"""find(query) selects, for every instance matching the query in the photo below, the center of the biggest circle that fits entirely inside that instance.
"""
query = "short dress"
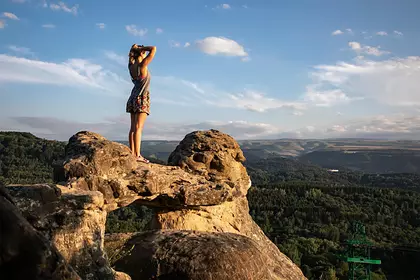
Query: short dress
(139, 100)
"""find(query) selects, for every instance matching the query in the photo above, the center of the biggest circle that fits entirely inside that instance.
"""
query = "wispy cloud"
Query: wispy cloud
(362, 49)
(114, 128)
(393, 82)
(2, 24)
(73, 72)
(61, 6)
(21, 50)
(159, 30)
(251, 101)
(398, 33)
(174, 44)
(121, 60)
(245, 6)
(337, 32)
(187, 44)
(101, 25)
(49, 25)
(393, 127)
(134, 30)
(382, 33)
(10, 16)
(220, 46)
(223, 6)
(326, 98)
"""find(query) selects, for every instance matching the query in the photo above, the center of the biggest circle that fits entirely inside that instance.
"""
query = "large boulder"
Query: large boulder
(24, 252)
(74, 223)
(193, 255)
(212, 154)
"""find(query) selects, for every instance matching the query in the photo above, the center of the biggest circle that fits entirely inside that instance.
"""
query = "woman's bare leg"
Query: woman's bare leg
(131, 133)
(139, 123)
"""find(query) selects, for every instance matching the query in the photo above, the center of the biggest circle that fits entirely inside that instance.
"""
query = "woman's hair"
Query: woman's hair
(134, 53)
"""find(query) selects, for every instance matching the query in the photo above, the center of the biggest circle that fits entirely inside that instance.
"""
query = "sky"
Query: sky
(255, 69)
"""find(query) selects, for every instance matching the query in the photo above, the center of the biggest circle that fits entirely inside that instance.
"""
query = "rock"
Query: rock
(232, 217)
(73, 221)
(25, 253)
(201, 215)
(94, 163)
(193, 255)
(212, 154)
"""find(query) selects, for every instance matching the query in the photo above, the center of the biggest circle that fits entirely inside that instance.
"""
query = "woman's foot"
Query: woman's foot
(142, 159)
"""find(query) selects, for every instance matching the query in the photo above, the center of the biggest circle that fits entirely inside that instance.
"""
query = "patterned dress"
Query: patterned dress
(139, 100)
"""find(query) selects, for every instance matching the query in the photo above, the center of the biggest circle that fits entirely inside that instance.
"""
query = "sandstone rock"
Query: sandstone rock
(24, 253)
(203, 189)
(97, 164)
(193, 255)
(212, 154)
(232, 217)
(73, 221)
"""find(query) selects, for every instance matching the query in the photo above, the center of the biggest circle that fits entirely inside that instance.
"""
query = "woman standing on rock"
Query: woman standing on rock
(138, 104)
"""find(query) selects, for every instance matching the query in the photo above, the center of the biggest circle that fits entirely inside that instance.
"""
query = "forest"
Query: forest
(304, 209)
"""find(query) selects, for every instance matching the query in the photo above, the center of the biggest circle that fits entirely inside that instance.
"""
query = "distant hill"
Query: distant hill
(369, 156)
(27, 159)
(368, 161)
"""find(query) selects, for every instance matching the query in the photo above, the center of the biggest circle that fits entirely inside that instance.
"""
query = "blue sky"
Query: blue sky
(253, 69)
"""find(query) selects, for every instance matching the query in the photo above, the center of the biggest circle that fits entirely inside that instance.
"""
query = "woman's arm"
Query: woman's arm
(150, 55)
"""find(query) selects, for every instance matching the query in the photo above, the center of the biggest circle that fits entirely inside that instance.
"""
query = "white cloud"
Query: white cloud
(398, 33)
(48, 25)
(82, 73)
(101, 25)
(21, 50)
(326, 98)
(187, 44)
(2, 24)
(252, 101)
(72, 72)
(398, 126)
(382, 33)
(10, 16)
(159, 30)
(362, 49)
(61, 6)
(116, 58)
(115, 128)
(246, 59)
(220, 46)
(223, 6)
(337, 32)
(174, 44)
(393, 82)
(349, 30)
(133, 30)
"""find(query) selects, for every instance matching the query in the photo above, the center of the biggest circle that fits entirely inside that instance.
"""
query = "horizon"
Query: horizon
(256, 71)
(236, 139)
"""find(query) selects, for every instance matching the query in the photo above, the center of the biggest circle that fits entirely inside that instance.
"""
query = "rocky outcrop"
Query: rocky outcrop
(97, 164)
(201, 221)
(193, 255)
(73, 221)
(24, 252)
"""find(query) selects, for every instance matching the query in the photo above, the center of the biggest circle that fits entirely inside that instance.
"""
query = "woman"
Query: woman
(138, 104)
